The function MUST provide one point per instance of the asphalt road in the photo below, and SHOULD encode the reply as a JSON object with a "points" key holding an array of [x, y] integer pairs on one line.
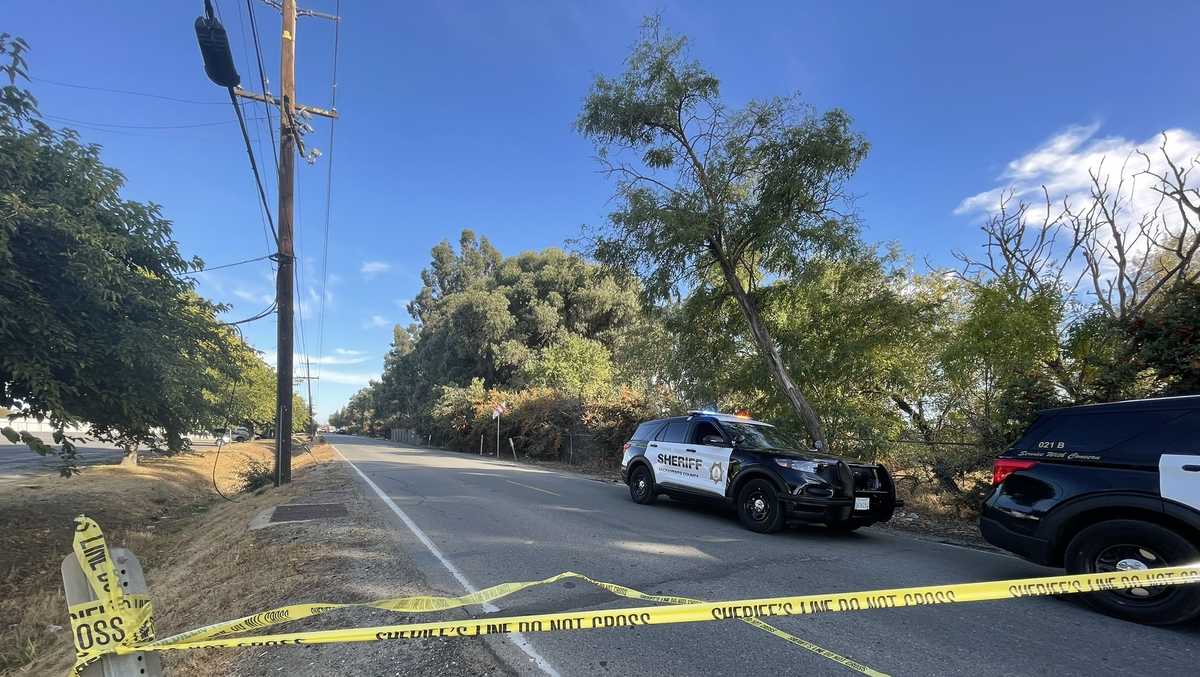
{"points": [[19, 462], [495, 522]]}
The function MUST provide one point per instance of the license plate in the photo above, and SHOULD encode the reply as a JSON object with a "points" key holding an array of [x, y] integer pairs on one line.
{"points": [[862, 502]]}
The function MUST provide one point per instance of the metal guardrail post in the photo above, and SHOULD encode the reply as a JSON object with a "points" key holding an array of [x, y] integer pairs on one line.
{"points": [[132, 580]]}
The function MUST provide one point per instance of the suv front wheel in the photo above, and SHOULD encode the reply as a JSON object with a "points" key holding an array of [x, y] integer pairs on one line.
{"points": [[758, 507], [1130, 545]]}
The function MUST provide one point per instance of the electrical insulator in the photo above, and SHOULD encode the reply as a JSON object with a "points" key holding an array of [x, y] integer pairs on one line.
{"points": [[214, 46]]}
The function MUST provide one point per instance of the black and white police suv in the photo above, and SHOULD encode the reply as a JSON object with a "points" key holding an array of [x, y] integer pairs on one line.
{"points": [[769, 478], [1103, 488]]}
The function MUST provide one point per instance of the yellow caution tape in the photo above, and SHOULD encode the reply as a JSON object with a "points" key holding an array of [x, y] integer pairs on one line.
{"points": [[95, 628], [679, 610], [114, 618]]}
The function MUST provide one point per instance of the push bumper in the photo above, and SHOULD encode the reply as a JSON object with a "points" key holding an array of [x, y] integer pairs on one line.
{"points": [[837, 510]]}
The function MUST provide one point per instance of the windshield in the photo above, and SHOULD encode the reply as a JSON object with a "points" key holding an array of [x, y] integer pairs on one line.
{"points": [[753, 436]]}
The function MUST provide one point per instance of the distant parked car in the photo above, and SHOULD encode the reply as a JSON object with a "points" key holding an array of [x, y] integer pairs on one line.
{"points": [[1103, 488], [237, 434], [756, 469]]}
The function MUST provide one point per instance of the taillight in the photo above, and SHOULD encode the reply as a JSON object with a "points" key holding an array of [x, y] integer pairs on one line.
{"points": [[626, 447], [1003, 467]]}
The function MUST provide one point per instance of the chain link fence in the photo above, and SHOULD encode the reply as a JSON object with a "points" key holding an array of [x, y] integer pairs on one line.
{"points": [[570, 447], [408, 436], [587, 450]]}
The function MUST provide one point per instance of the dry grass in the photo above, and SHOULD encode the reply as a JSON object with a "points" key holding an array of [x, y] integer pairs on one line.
{"points": [[157, 510]]}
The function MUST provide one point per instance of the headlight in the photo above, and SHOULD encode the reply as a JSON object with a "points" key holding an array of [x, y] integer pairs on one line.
{"points": [[803, 466]]}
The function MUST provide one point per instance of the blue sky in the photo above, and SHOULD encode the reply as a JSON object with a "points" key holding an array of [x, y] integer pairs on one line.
{"points": [[458, 114]]}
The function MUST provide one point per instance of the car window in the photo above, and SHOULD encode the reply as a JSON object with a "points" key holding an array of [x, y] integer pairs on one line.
{"points": [[1112, 436], [646, 431], [757, 436], [675, 431], [703, 429]]}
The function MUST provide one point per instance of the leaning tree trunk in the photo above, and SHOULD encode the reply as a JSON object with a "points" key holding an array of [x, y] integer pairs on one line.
{"points": [[941, 470], [770, 352], [174, 439], [131, 455]]}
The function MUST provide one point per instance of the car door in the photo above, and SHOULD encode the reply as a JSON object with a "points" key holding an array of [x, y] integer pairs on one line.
{"points": [[1173, 436], [1179, 478], [714, 457], [673, 463]]}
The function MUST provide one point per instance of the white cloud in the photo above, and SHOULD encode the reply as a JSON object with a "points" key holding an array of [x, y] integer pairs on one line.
{"points": [[330, 359], [248, 295], [370, 268], [376, 321], [346, 351], [1061, 164], [347, 377], [299, 359], [209, 280], [1062, 167]]}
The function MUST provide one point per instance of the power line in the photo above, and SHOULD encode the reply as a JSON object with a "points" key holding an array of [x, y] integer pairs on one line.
{"points": [[253, 163], [257, 316], [60, 118], [262, 77], [257, 130], [230, 265], [337, 30], [128, 92], [228, 405], [300, 289]]}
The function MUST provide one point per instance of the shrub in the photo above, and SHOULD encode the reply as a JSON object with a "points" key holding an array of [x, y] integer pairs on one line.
{"points": [[541, 420], [255, 475]]}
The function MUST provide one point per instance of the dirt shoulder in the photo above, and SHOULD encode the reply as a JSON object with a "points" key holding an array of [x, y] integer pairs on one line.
{"points": [[204, 563]]}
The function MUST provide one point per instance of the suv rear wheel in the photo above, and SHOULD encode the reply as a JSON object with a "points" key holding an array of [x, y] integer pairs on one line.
{"points": [[641, 486], [1126, 545]]}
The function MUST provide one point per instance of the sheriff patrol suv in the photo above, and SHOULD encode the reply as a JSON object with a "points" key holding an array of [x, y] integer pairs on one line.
{"points": [[1103, 488], [751, 466]]}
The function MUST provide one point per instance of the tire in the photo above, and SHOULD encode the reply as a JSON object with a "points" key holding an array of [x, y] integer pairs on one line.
{"points": [[641, 486], [1118, 545], [759, 508]]}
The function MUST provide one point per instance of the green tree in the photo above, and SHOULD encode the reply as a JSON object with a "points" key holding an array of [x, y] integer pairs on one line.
{"points": [[843, 325], [300, 418], [98, 319], [574, 365], [484, 315], [1166, 341], [750, 194], [247, 397]]}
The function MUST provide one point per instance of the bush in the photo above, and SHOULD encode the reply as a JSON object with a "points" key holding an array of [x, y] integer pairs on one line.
{"points": [[255, 475], [541, 419]]}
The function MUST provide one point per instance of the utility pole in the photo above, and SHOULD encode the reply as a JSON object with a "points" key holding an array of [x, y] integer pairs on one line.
{"points": [[287, 258], [218, 64], [312, 421]]}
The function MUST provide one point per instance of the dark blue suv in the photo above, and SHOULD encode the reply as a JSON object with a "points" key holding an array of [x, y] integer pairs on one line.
{"points": [[1106, 487]]}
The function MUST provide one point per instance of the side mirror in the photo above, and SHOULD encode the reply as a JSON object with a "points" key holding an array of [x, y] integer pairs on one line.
{"points": [[713, 441]]}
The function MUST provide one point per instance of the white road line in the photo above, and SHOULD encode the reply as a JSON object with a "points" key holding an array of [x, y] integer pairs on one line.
{"points": [[517, 638], [527, 486]]}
